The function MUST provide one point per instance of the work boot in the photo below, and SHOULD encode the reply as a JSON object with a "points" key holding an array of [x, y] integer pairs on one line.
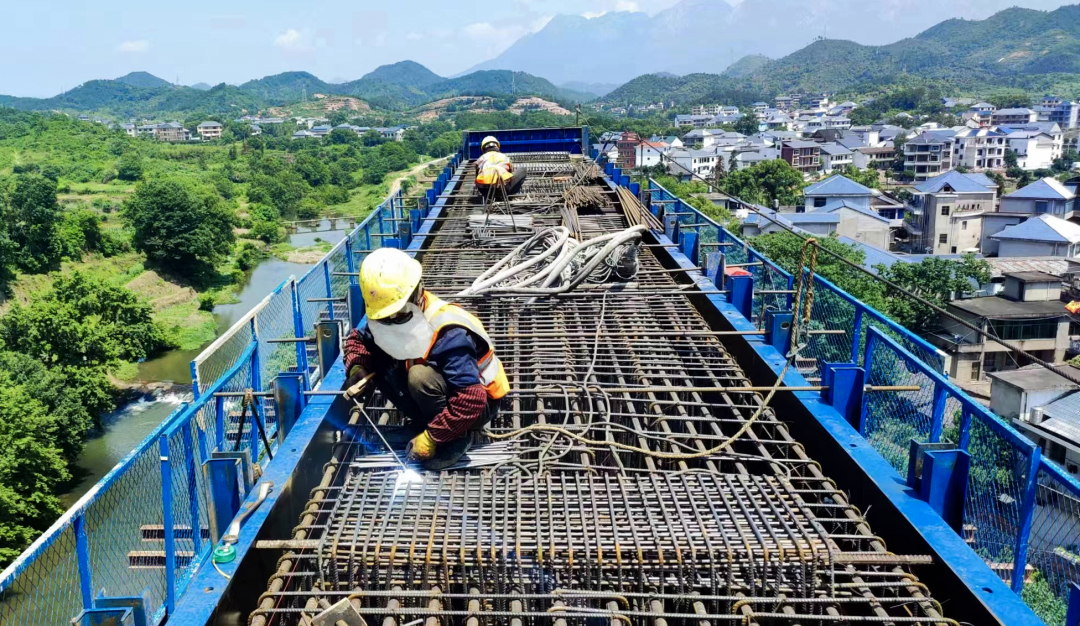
{"points": [[448, 454]]}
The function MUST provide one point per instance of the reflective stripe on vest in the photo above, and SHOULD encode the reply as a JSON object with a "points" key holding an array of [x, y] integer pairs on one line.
{"points": [[492, 167], [441, 314]]}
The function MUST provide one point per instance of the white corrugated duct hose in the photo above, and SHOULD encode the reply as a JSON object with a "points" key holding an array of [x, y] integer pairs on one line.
{"points": [[552, 262]]}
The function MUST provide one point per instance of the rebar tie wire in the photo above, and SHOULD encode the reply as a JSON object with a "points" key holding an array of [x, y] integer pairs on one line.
{"points": [[808, 266]]}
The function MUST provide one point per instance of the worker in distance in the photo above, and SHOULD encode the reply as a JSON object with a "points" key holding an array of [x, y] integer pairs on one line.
{"points": [[495, 174], [432, 359]]}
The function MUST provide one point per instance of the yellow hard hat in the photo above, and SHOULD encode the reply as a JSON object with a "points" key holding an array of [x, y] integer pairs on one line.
{"points": [[388, 277], [489, 140]]}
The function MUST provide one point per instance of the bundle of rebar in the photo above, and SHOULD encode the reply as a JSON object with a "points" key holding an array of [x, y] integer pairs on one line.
{"points": [[599, 494], [635, 212], [580, 197]]}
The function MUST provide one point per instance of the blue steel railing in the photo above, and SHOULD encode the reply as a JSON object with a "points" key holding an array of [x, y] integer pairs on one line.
{"points": [[1021, 512], [135, 539]]}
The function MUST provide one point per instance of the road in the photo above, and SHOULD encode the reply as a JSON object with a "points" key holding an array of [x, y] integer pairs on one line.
{"points": [[396, 183]]}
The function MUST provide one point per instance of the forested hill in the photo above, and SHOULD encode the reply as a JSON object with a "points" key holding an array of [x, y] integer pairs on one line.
{"points": [[1013, 48], [397, 86]]}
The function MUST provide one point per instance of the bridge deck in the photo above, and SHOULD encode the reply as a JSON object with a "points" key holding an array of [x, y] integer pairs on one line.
{"points": [[629, 512]]}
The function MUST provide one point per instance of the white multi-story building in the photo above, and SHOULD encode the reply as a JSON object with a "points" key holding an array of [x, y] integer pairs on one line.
{"points": [[1034, 149], [209, 130], [979, 149]]}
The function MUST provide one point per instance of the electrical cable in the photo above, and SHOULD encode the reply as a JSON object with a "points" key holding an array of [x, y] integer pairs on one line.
{"points": [[804, 300], [888, 283]]}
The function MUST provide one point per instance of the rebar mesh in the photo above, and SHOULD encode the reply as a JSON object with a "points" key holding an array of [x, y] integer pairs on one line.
{"points": [[631, 479]]}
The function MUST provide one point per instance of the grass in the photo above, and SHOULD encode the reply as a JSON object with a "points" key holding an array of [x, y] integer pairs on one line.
{"points": [[125, 372], [187, 326]]}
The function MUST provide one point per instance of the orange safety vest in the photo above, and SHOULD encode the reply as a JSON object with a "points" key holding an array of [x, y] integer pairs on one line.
{"points": [[492, 167], [442, 314]]}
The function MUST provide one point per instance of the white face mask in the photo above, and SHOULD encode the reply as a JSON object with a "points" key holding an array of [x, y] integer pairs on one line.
{"points": [[409, 340]]}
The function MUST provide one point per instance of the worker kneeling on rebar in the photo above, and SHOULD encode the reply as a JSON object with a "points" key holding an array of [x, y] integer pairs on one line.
{"points": [[495, 175], [431, 358]]}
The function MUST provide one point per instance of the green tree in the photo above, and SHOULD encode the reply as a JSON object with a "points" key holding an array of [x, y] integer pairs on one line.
{"points": [[31, 469], [935, 280], [82, 321], [785, 249], [311, 169], [182, 229], [1010, 158], [747, 124], [372, 138], [33, 219], [867, 177], [283, 191], [445, 144], [79, 232], [342, 136], [129, 167], [765, 182]]}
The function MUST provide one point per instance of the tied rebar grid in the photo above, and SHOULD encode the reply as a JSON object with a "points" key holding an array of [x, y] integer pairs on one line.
{"points": [[626, 513]]}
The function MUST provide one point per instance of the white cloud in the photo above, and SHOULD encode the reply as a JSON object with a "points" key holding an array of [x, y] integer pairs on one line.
{"points": [[133, 46], [413, 36], [293, 40]]}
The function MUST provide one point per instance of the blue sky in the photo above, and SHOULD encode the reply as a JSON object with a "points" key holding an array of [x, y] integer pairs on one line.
{"points": [[53, 45]]}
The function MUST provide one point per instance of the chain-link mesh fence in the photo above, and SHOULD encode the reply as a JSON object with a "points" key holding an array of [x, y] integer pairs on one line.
{"points": [[998, 499], [131, 522]]}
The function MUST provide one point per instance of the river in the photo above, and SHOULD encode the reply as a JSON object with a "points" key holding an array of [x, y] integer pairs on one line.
{"points": [[130, 424]]}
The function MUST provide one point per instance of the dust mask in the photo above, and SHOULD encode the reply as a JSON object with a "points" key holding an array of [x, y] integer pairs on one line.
{"points": [[408, 340]]}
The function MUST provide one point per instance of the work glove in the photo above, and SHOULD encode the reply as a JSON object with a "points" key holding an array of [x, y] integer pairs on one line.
{"points": [[356, 374], [421, 448]]}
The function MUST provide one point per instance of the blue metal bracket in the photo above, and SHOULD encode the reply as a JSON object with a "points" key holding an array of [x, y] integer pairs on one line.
{"points": [[842, 387], [778, 330], [689, 245], [289, 398], [223, 478], [1072, 616], [138, 605], [938, 472], [105, 617], [355, 302], [741, 294], [327, 341]]}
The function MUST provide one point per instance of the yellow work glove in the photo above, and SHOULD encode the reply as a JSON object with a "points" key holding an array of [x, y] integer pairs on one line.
{"points": [[421, 448]]}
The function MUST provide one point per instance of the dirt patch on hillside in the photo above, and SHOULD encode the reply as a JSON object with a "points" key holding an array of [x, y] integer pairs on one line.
{"points": [[159, 292]]}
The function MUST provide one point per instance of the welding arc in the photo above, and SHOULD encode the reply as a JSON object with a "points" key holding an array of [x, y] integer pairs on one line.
{"points": [[888, 283]]}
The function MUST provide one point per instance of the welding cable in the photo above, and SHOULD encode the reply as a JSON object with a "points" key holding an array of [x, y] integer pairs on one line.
{"points": [[888, 283], [219, 570], [804, 299]]}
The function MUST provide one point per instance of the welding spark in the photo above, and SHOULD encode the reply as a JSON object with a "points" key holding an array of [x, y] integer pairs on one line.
{"points": [[405, 478]]}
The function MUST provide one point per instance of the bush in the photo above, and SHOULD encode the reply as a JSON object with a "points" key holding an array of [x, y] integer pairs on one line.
{"points": [[248, 257], [206, 302]]}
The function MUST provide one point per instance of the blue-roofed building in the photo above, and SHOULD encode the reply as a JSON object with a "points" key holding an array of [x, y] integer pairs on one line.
{"points": [[1056, 428], [1044, 235], [836, 190], [1042, 197], [945, 214]]}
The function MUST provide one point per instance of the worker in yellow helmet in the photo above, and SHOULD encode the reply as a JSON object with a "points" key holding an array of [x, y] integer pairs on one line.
{"points": [[494, 170], [432, 359]]}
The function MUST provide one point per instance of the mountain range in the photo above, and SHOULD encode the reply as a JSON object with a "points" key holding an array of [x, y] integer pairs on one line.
{"points": [[1021, 48], [397, 86], [708, 35]]}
